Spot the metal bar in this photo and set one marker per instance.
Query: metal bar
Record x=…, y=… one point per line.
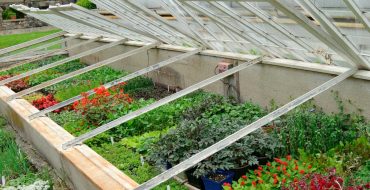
x=228, y=26
x=30, y=43
x=31, y=72
x=81, y=71
x=351, y=4
x=42, y=47
x=161, y=19
x=130, y=29
x=335, y=33
x=315, y=30
x=159, y=103
x=115, y=82
x=193, y=160
x=236, y=16
x=174, y=10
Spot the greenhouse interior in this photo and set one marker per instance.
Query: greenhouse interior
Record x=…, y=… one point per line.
x=117, y=95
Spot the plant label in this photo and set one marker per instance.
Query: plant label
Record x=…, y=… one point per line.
x=112, y=140
x=3, y=181
x=168, y=187
x=142, y=160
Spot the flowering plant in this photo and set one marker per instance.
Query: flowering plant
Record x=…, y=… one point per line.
x=17, y=85
x=315, y=181
x=45, y=102
x=274, y=175
x=96, y=109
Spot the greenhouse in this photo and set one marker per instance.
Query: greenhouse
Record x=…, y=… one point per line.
x=188, y=94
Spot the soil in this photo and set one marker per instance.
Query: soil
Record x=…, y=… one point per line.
x=217, y=177
x=37, y=161
x=156, y=92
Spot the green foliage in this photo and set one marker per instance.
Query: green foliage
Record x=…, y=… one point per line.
x=142, y=143
x=130, y=163
x=82, y=83
x=65, y=117
x=55, y=72
x=208, y=123
x=33, y=65
x=86, y=3
x=14, y=39
x=347, y=158
x=309, y=128
x=8, y=13
x=362, y=175
x=13, y=162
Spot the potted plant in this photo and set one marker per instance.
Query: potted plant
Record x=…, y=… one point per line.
x=215, y=180
x=192, y=136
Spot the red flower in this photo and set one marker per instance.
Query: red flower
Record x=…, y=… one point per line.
x=260, y=181
x=295, y=180
x=242, y=183
x=289, y=157
x=275, y=175
x=278, y=168
x=268, y=164
x=302, y=172
x=254, y=183
x=227, y=184
x=296, y=167
x=260, y=168
x=244, y=177
x=309, y=167
x=275, y=181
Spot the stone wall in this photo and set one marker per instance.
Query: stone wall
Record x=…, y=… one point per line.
x=27, y=22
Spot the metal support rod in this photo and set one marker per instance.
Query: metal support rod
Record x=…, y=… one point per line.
x=162, y=20
x=115, y=82
x=30, y=43
x=193, y=160
x=229, y=26
x=335, y=33
x=159, y=103
x=81, y=71
x=41, y=47
x=351, y=4
x=31, y=72
x=307, y=24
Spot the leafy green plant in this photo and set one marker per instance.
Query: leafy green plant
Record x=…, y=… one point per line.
x=345, y=158
x=29, y=66
x=9, y=13
x=86, y=3
x=309, y=128
x=130, y=163
x=142, y=143
x=214, y=124
x=84, y=82
x=54, y=72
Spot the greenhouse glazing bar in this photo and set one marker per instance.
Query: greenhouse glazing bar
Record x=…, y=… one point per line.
x=83, y=70
x=230, y=27
x=115, y=82
x=358, y=13
x=159, y=103
x=42, y=47
x=30, y=43
x=188, y=163
x=43, y=68
x=335, y=33
x=315, y=30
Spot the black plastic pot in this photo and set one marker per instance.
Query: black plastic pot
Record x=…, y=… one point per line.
x=210, y=184
x=192, y=180
x=239, y=172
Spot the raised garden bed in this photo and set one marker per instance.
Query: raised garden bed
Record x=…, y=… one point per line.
x=311, y=142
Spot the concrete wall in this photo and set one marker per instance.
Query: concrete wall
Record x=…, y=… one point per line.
x=276, y=79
